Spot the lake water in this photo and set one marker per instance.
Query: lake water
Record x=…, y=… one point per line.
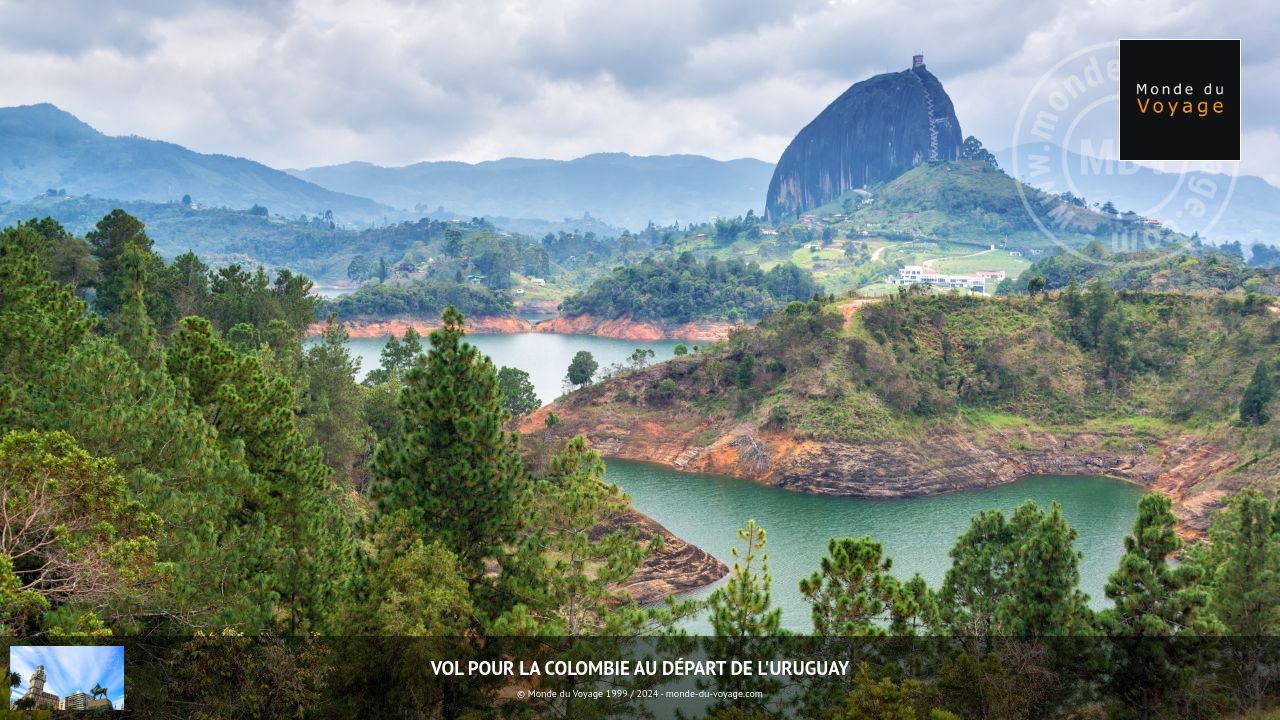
x=707, y=510
x=917, y=533
x=544, y=356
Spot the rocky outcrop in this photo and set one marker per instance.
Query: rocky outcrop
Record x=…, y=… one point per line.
x=878, y=129
x=627, y=329
x=680, y=566
x=1185, y=468
x=495, y=325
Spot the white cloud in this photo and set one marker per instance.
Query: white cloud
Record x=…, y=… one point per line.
x=311, y=82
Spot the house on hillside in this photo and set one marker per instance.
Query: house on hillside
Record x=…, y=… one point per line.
x=977, y=281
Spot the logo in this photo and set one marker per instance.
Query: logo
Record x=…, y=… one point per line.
x=1066, y=143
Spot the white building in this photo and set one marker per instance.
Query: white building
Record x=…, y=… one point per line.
x=981, y=281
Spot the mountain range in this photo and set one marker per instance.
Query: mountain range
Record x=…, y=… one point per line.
x=620, y=189
x=1251, y=215
x=44, y=148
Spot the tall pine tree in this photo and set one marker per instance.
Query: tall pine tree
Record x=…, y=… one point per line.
x=453, y=468
x=1257, y=395
x=311, y=566
x=1156, y=606
x=1043, y=598
x=109, y=240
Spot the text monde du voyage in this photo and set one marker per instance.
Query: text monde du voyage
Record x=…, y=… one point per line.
x=1181, y=99
x=621, y=668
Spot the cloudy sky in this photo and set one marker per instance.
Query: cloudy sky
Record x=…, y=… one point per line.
x=298, y=83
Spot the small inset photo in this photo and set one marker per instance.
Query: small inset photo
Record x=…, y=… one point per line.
x=66, y=678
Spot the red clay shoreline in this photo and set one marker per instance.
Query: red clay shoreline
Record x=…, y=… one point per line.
x=622, y=328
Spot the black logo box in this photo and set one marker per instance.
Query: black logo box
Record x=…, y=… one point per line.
x=1185, y=68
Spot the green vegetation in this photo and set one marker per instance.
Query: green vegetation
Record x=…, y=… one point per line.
x=518, y=395
x=422, y=298
x=581, y=369
x=1011, y=635
x=174, y=461
x=915, y=359
x=677, y=290
x=1192, y=267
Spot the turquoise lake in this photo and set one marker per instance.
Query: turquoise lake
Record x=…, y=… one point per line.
x=708, y=510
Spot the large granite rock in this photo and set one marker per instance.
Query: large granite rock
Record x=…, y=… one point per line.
x=878, y=129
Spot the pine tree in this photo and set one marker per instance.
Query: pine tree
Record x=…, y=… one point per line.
x=744, y=622
x=1153, y=602
x=213, y=541
x=311, y=566
x=332, y=409
x=133, y=326
x=398, y=355
x=583, y=567
x=1043, y=598
x=109, y=240
x=1246, y=567
x=1242, y=566
x=982, y=565
x=1151, y=598
x=743, y=606
x=854, y=594
x=1257, y=395
x=452, y=467
x=40, y=321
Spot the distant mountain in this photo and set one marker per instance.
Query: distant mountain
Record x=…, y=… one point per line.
x=1252, y=214
x=317, y=248
x=875, y=131
x=619, y=189
x=43, y=147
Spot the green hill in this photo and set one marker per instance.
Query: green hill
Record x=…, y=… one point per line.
x=973, y=203
x=921, y=393
x=1197, y=268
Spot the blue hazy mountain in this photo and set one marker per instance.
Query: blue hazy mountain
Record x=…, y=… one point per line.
x=43, y=147
x=1252, y=214
x=619, y=189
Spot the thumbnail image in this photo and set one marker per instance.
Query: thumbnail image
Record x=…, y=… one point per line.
x=67, y=678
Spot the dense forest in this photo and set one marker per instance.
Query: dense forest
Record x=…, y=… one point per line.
x=681, y=289
x=176, y=463
x=422, y=298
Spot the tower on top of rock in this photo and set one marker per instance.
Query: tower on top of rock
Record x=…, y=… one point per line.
x=917, y=61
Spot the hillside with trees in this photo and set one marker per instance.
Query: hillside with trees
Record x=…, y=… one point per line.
x=421, y=298
x=683, y=289
x=174, y=459
x=1196, y=268
x=885, y=387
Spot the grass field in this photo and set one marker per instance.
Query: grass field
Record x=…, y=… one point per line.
x=990, y=260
